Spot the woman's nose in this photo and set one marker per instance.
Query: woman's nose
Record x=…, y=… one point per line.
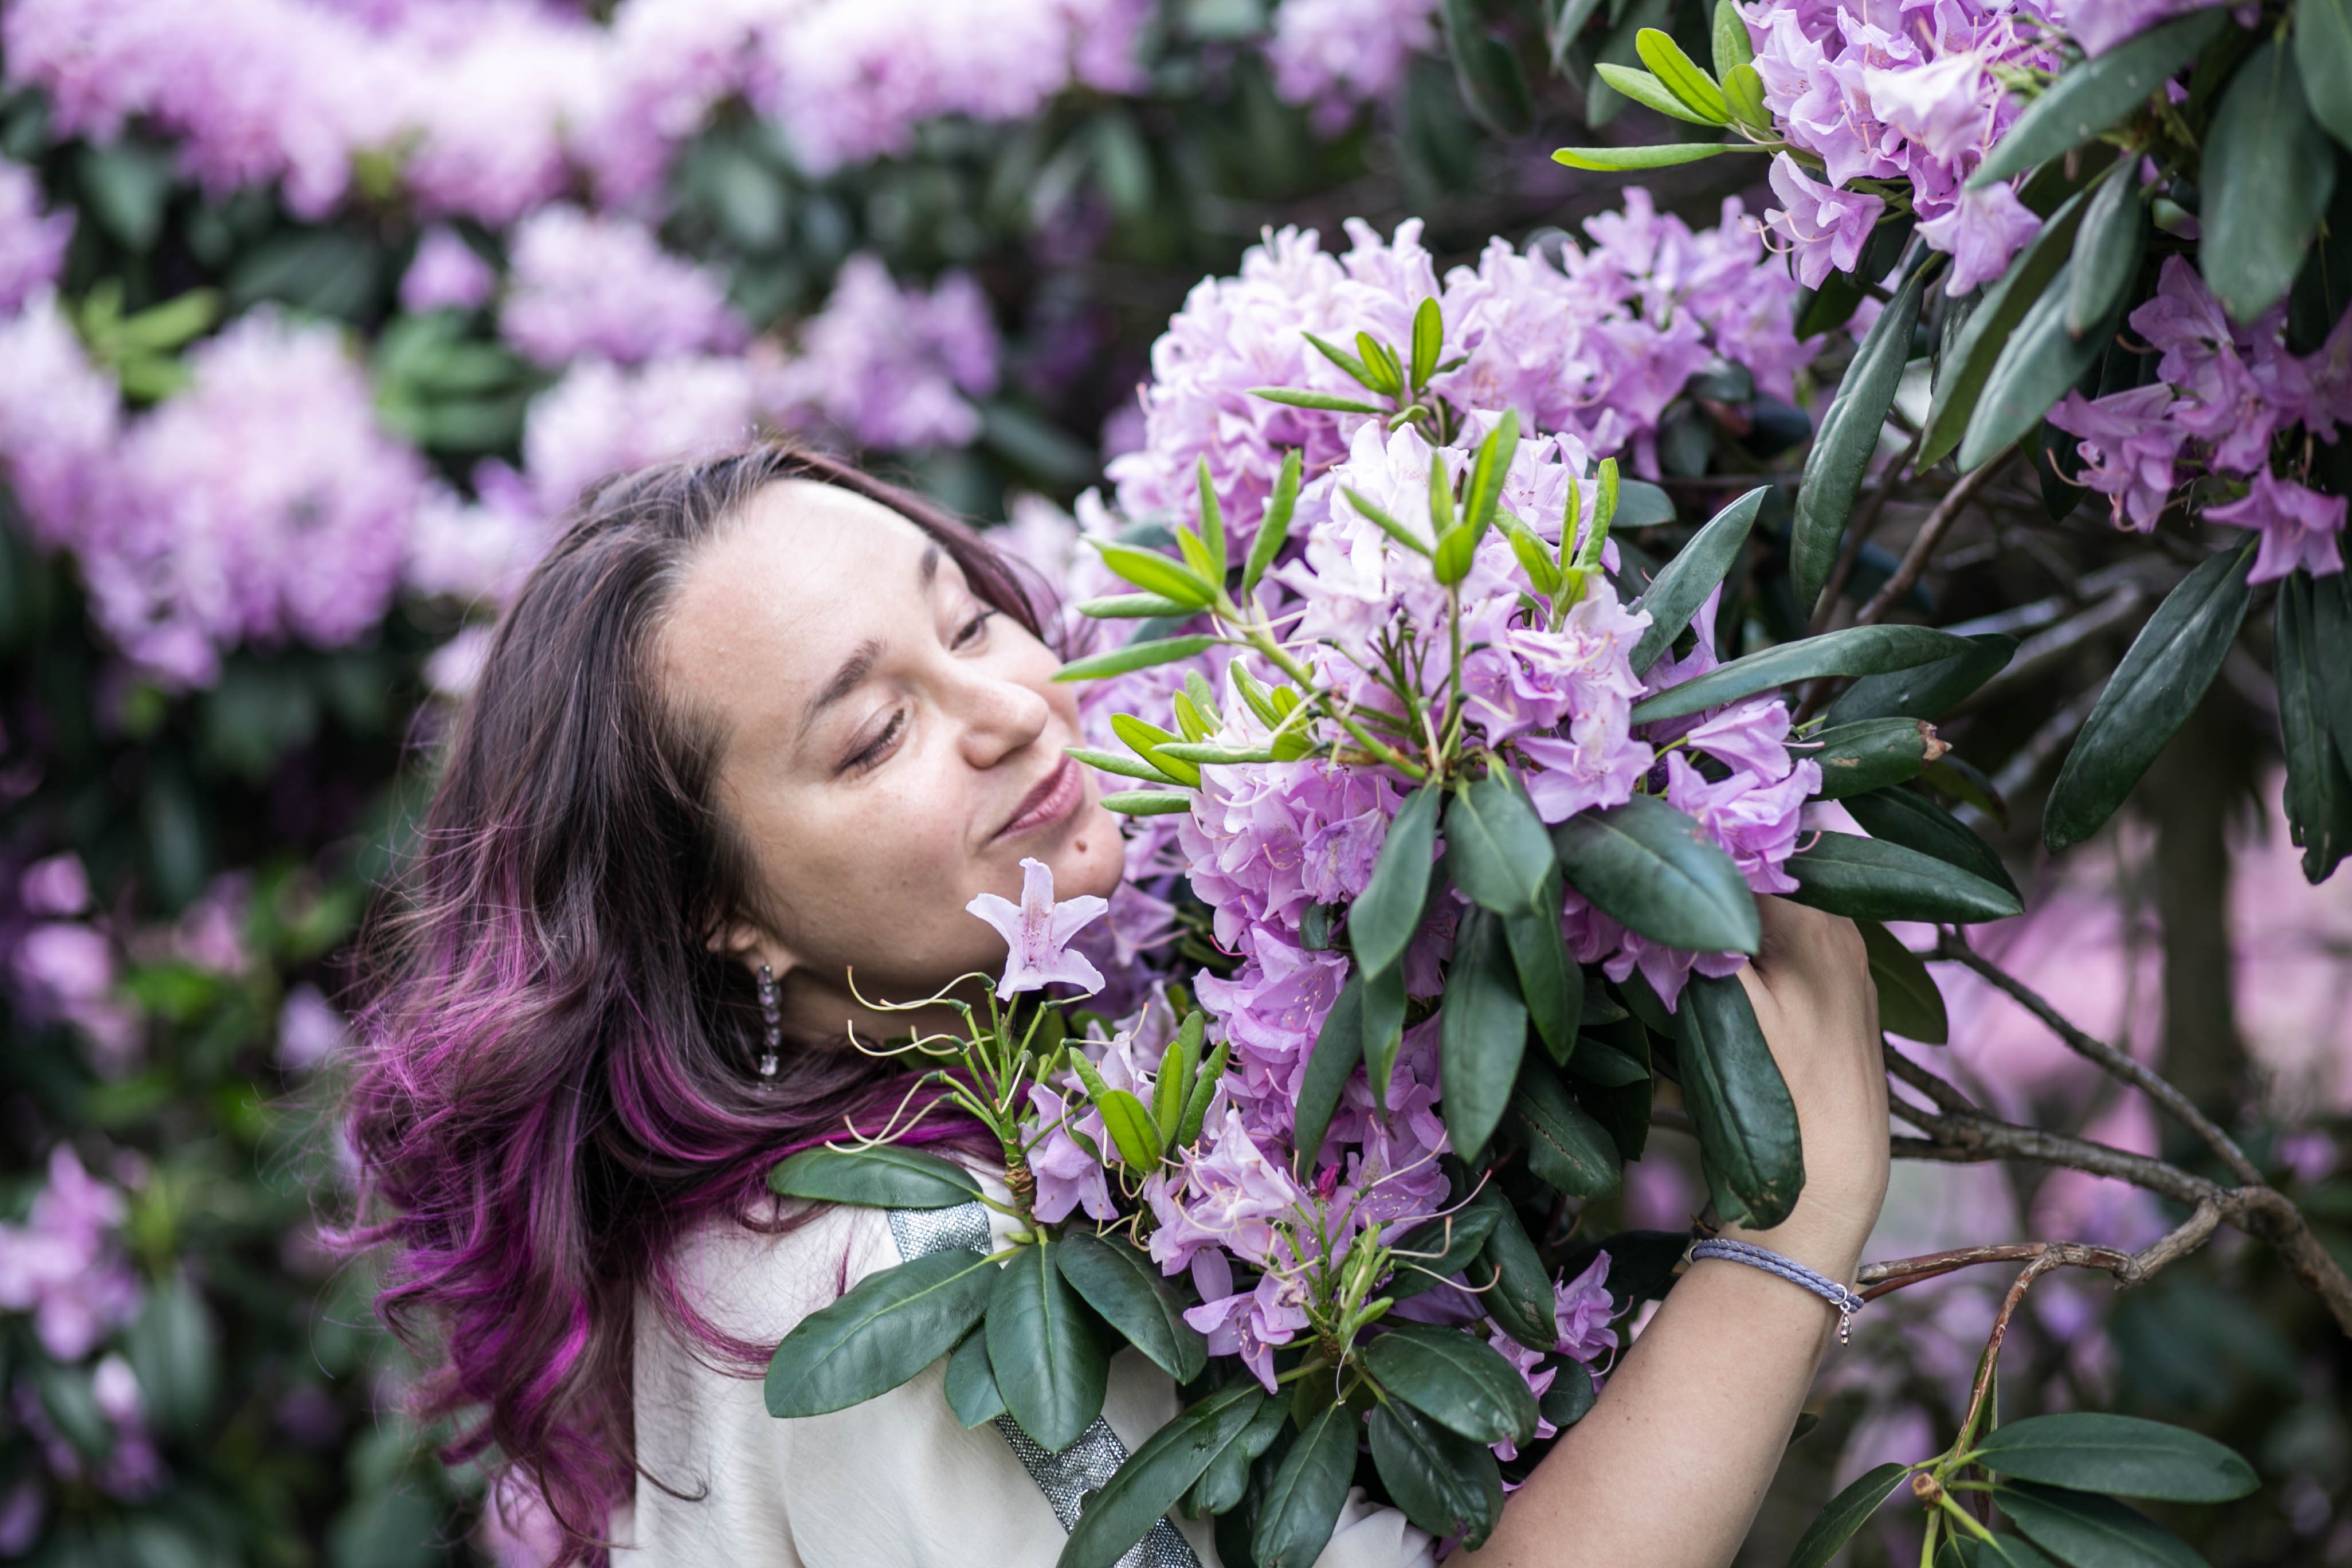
x=1000, y=717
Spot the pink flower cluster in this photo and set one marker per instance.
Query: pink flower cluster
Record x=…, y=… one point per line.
x=1896, y=93
x=32, y=241
x=63, y=1265
x=1337, y=53
x=1592, y=347
x=583, y=285
x=2223, y=396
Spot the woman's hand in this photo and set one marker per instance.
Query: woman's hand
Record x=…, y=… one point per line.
x=1669, y=1467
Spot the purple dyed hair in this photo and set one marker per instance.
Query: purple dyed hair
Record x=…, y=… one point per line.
x=555, y=1072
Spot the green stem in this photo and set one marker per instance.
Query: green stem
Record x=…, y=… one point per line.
x=1263, y=640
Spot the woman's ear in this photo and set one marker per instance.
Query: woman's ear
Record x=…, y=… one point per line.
x=753, y=945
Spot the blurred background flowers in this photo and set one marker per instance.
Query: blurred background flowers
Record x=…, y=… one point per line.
x=315, y=315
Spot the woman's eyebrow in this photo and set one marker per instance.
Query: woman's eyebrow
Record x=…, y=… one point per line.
x=860, y=664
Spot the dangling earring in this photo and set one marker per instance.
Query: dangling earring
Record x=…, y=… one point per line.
x=772, y=1019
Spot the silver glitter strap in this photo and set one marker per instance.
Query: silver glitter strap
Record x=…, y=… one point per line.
x=1077, y=1472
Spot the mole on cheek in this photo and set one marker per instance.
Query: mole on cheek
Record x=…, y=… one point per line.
x=1082, y=846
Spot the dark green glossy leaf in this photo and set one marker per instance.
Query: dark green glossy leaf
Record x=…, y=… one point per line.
x=2267, y=173
x=1482, y=1031
x=2107, y=249
x=1683, y=585
x=1446, y=1483
x=1847, y=439
x=1869, y=753
x=1146, y=1487
x=1853, y=650
x=1925, y=691
x=2166, y=669
x=2323, y=54
x=1487, y=72
x=2096, y=94
x=1847, y=1512
x=1136, y=656
x=1966, y=360
x=1640, y=504
x=1338, y=1046
x=1223, y=1485
x=883, y=1176
x=1049, y=1366
x=1383, y=921
x=1511, y=1280
x=1618, y=159
x=890, y=1326
x=2001, y=1551
x=1563, y=1144
x=2087, y=1532
x=1461, y=1383
x=1869, y=878
x=174, y=1350
x=1303, y=1501
x=1496, y=850
x=1902, y=816
x=1571, y=1395
x=1125, y=1285
x=2036, y=367
x=2093, y=1451
x=1383, y=1028
x=1739, y=1104
x=1909, y=1003
x=1549, y=981
x=973, y=1393
x=2319, y=789
x=1652, y=868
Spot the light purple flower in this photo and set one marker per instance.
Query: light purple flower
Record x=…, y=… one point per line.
x=1068, y=1176
x=1752, y=736
x=2100, y=25
x=57, y=886
x=1582, y=1310
x=59, y=418
x=1827, y=226
x=32, y=243
x=1756, y=822
x=1037, y=933
x=446, y=272
x=603, y=287
x=62, y=1264
x=2129, y=448
x=1252, y=1324
x=892, y=368
x=1229, y=1196
x=1337, y=53
x=1981, y=231
x=2299, y=527
x=601, y=420
x=310, y=1030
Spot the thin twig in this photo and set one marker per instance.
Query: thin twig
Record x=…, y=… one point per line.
x=1923, y=543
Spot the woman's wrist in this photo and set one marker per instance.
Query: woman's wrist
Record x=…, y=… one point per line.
x=1823, y=1240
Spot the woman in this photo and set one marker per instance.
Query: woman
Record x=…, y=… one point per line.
x=756, y=725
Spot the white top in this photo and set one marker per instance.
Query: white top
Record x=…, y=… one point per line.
x=891, y=1483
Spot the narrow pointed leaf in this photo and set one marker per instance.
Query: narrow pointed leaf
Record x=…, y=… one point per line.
x=1125, y=1285
x=2267, y=173
x=1383, y=1028
x=1869, y=878
x=1157, y=574
x=1683, y=76
x=1273, y=527
x=883, y=1176
x=1871, y=753
x=1648, y=867
x=1852, y=650
x=1966, y=361
x=1446, y=1483
x=1494, y=461
x=2096, y=94
x=1309, y=1488
x=2107, y=248
x=1618, y=159
x=1683, y=584
x=1386, y=522
x=1428, y=341
x=1145, y=1488
x=1462, y=1383
x=973, y=1393
x=2318, y=790
x=2087, y=1532
x=1927, y=690
x=890, y=1326
x=1511, y=1280
x=1354, y=366
x=1383, y=918
x=1649, y=92
x=1131, y=1127
x=2093, y=1451
x=1728, y=35
x=1549, y=982
x=1125, y=767
x=1846, y=1513
x=2323, y=53
x=1482, y=1032
x=1496, y=849
x=2036, y=367
x=2162, y=676
x=1135, y=656
x=1848, y=439
x=1147, y=801
x=1909, y=1003
x=1338, y=1048
x=1049, y=1366
x=1563, y=1144
x=1901, y=816
x=1739, y=1104
x=1297, y=398
x=1133, y=607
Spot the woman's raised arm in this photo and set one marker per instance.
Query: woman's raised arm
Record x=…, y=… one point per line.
x=1669, y=1468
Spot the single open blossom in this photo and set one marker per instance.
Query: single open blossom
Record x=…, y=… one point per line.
x=1828, y=225
x=1038, y=931
x=1068, y=1176
x=1983, y=228
x=2129, y=448
x=2300, y=527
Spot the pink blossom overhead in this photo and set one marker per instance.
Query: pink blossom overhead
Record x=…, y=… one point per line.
x=2300, y=528
x=1337, y=53
x=1037, y=933
x=892, y=368
x=603, y=287
x=32, y=241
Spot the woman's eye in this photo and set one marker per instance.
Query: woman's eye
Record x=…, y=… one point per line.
x=873, y=752
x=973, y=629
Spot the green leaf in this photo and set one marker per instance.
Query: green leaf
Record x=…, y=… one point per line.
x=1564, y=1145
x=1487, y=471
x=1496, y=850
x=2323, y=54
x=1157, y=574
x=1145, y=1488
x=1355, y=367
x=1049, y=1366
x=1743, y=90
x=1130, y=1126
x=1852, y=650
x=1683, y=76
x=1461, y=1383
x=1383, y=1028
x=2318, y=790
x=1126, y=767
x=883, y=1176
x=1925, y=691
x=2000, y=1551
x=1275, y=526
x=1297, y=398
x=125, y=187
x=1147, y=801
x=1966, y=361
x=1619, y=159
x=1136, y=656
x=1386, y=522
x=2267, y=173
x=1226, y=1482
x=1847, y=1512
x=2093, y=1451
x=2166, y=669
x=1848, y=439
x=1436, y=1251
x=1739, y=1104
x=1446, y=1483
x=1901, y=816
x=1683, y=584
x=1640, y=504
x=1909, y=1003
x=1482, y=1031
x=2038, y=365
x=890, y=1326
x=972, y=1395
x=1549, y=982
x=2090, y=98
x=1204, y=754
x=1649, y=92
x=1125, y=1288
x=1384, y=917
x=1133, y=607
x=1869, y=753
x=1648, y=867
x=1338, y=1046
x=1733, y=47
x=1869, y=878
x=2087, y=1532
x=1487, y=72
x=2107, y=248
x=1309, y=1488
x=1512, y=1283
x=174, y=1350
x=1428, y=341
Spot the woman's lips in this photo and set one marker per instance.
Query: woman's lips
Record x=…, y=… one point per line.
x=1056, y=795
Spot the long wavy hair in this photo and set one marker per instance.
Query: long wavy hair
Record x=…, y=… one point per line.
x=555, y=1072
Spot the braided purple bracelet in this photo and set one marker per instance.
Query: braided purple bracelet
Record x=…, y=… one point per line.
x=1846, y=1302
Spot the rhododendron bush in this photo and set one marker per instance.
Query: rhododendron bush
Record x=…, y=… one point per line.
x=1921, y=482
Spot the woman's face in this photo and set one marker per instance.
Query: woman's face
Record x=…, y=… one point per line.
x=891, y=748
